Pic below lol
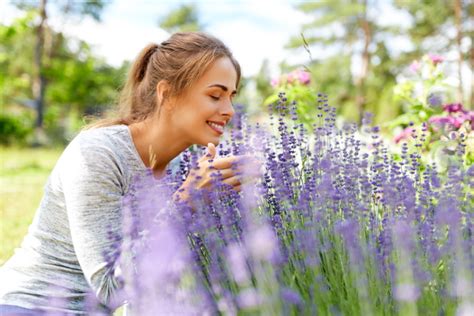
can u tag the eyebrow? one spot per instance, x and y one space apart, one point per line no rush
222 87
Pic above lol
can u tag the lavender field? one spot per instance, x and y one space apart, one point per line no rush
336 224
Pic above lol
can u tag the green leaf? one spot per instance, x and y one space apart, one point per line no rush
403 119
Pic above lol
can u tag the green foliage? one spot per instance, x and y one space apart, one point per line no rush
78 82
431 19
262 80
92 8
444 127
182 19
295 87
445 27
14 129
16 60
350 35
427 82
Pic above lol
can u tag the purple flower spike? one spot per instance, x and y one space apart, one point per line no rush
435 99
262 243
406 292
249 298
290 296
236 258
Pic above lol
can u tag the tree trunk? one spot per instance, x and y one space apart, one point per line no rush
457 16
39 86
360 99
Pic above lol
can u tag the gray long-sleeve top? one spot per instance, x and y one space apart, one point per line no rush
61 259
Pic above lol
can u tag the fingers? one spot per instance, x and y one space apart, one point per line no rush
248 169
233 181
231 170
224 162
211 149
224 173
211 152
235 161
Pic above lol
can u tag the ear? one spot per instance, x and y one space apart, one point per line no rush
162 90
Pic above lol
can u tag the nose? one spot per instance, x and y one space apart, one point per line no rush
228 110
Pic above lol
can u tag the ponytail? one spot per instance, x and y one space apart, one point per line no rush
139 67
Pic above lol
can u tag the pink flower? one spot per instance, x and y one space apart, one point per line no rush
463 117
303 77
275 82
290 77
447 120
415 66
436 59
457 121
453 108
403 135
440 120
470 114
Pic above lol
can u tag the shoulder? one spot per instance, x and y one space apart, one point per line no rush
112 137
103 147
95 158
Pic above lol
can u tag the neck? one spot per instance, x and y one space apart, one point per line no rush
156 144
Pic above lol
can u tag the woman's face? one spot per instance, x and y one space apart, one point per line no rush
203 111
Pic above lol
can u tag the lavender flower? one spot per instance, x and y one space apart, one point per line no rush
435 99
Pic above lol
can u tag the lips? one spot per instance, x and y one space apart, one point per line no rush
216 126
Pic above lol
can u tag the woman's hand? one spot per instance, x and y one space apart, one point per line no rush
229 170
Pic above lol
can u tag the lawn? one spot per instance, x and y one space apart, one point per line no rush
23 174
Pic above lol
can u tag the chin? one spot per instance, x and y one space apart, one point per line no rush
204 143
214 141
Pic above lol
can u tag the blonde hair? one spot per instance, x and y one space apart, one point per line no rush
180 60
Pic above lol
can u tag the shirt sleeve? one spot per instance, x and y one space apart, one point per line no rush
93 186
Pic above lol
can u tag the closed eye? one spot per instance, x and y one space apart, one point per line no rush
214 98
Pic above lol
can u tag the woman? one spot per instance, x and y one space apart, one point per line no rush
177 94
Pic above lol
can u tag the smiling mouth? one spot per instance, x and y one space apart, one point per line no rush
216 127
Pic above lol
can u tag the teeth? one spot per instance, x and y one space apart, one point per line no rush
216 126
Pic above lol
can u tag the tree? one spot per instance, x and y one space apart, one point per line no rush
16 60
442 26
43 54
183 19
346 28
78 82
262 82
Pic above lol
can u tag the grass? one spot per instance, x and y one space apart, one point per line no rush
23 174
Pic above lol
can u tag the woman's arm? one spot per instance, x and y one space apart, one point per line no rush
93 186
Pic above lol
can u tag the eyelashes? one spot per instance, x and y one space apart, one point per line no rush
218 98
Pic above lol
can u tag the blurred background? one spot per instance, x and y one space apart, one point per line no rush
63 62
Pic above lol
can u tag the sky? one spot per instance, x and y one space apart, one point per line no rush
253 30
